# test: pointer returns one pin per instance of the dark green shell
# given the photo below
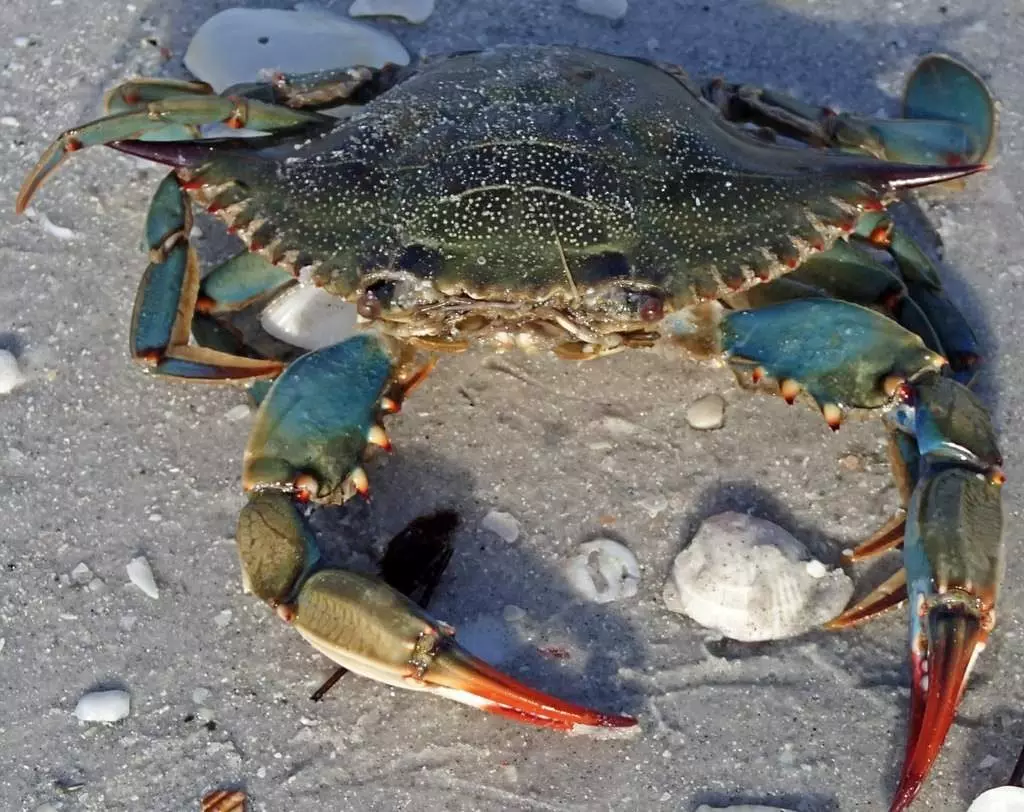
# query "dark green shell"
(547, 174)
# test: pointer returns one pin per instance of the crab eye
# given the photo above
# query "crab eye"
(375, 299)
(647, 305)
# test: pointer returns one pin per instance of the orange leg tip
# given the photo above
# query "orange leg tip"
(390, 406)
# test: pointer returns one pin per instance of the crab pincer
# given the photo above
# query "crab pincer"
(844, 355)
(311, 432)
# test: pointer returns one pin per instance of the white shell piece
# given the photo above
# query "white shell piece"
(612, 9)
(11, 376)
(751, 580)
(1000, 799)
(103, 706)
(309, 317)
(604, 571)
(140, 574)
(706, 413)
(415, 11)
(503, 525)
(243, 44)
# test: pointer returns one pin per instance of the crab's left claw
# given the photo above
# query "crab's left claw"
(953, 557)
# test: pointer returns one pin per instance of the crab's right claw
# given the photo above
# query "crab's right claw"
(953, 558)
(362, 623)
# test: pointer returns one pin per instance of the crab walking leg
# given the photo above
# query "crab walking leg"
(177, 118)
(950, 117)
(308, 442)
(162, 316)
(358, 84)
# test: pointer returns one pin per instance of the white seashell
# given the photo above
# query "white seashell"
(11, 376)
(751, 580)
(242, 44)
(415, 11)
(503, 525)
(141, 574)
(604, 571)
(611, 9)
(706, 413)
(309, 317)
(103, 706)
(1000, 799)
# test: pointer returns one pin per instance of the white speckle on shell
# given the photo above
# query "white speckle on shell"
(415, 11)
(309, 317)
(141, 574)
(11, 376)
(611, 9)
(243, 44)
(604, 571)
(503, 525)
(751, 580)
(1000, 799)
(103, 706)
(706, 413)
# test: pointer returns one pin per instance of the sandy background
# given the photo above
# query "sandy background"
(99, 463)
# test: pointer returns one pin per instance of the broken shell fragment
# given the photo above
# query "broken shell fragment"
(222, 800)
(604, 571)
(241, 44)
(103, 706)
(751, 580)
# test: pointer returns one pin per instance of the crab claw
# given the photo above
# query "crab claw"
(362, 623)
(953, 557)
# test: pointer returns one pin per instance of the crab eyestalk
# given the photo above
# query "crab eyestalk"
(307, 445)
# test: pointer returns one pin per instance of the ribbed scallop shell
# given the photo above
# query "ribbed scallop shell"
(751, 580)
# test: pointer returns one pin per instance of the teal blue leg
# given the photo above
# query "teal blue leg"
(165, 303)
(949, 117)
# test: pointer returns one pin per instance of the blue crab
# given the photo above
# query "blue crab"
(554, 198)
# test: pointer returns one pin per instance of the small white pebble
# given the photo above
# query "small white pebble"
(81, 574)
(503, 525)
(103, 706)
(654, 504)
(611, 9)
(127, 623)
(513, 613)
(816, 569)
(706, 413)
(414, 11)
(22, 42)
(155, 517)
(200, 695)
(239, 412)
(9, 121)
(97, 586)
(988, 762)
(1000, 799)
(46, 808)
(223, 618)
(141, 574)
(11, 376)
